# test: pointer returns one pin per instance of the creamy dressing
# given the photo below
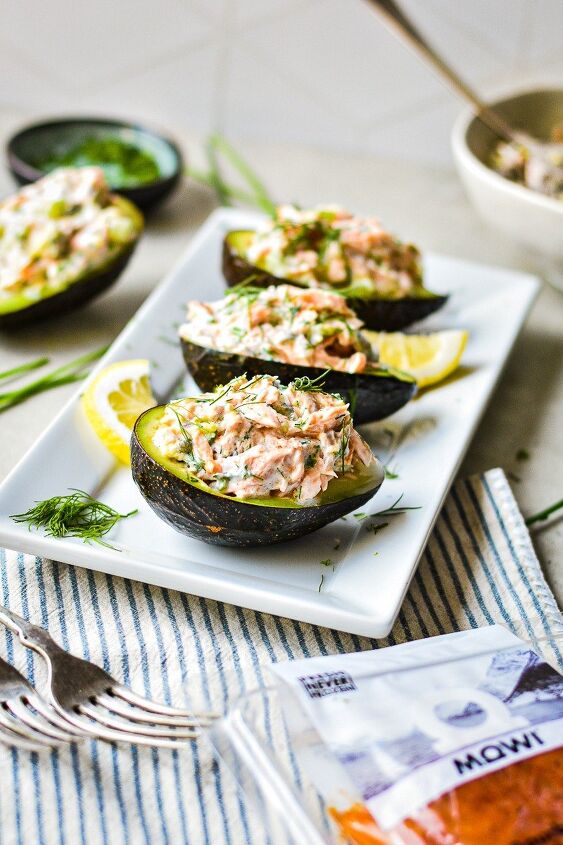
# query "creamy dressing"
(57, 230)
(330, 246)
(257, 438)
(310, 327)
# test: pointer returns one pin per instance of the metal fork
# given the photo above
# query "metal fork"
(94, 703)
(27, 721)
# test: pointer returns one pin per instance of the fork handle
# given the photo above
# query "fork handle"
(401, 25)
(31, 636)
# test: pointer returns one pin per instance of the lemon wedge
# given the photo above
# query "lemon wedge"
(429, 358)
(113, 401)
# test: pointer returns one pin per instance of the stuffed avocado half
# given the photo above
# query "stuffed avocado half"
(380, 276)
(296, 334)
(252, 463)
(63, 240)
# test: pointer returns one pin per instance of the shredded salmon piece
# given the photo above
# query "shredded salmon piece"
(307, 327)
(330, 246)
(255, 437)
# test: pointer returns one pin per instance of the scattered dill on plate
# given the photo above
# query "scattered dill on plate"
(76, 514)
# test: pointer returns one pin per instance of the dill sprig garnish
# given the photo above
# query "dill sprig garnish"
(183, 431)
(341, 454)
(76, 514)
(309, 385)
(245, 286)
(393, 510)
(221, 395)
(327, 562)
(66, 374)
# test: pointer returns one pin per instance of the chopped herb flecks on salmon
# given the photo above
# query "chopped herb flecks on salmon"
(304, 326)
(257, 438)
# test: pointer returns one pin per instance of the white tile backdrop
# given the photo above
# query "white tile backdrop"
(319, 72)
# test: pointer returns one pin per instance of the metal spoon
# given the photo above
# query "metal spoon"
(545, 152)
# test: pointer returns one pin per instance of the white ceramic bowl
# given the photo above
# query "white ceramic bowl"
(530, 218)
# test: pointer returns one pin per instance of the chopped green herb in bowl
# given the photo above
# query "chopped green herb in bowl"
(125, 165)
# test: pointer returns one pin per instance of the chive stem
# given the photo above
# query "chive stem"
(24, 368)
(539, 517)
(259, 192)
(207, 178)
(66, 374)
(216, 180)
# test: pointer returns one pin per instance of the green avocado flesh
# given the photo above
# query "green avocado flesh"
(191, 507)
(376, 311)
(90, 283)
(362, 481)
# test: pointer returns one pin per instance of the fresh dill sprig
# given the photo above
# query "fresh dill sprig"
(245, 286)
(393, 510)
(66, 374)
(224, 393)
(76, 514)
(375, 527)
(185, 435)
(327, 562)
(309, 385)
(389, 473)
(346, 432)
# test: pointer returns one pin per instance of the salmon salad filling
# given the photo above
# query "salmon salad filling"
(256, 438)
(58, 230)
(330, 246)
(545, 175)
(306, 326)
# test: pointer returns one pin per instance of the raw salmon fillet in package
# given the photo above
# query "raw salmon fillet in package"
(453, 740)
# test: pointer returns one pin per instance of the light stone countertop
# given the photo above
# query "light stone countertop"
(425, 205)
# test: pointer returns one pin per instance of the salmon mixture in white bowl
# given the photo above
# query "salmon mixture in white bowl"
(504, 199)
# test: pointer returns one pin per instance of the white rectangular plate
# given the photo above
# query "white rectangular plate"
(362, 594)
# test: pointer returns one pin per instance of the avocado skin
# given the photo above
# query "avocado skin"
(376, 397)
(77, 294)
(392, 315)
(379, 314)
(223, 522)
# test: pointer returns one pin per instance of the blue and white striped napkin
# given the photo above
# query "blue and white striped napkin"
(479, 568)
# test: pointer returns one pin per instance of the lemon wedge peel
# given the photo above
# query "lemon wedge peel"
(429, 358)
(113, 401)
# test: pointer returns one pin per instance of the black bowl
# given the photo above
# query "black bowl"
(55, 137)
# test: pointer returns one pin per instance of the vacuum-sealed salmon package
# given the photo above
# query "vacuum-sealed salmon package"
(453, 740)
